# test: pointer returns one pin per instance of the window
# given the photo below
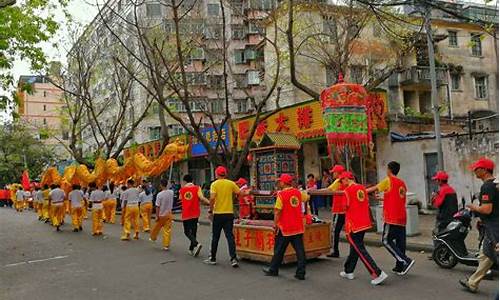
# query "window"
(254, 28)
(44, 94)
(475, 39)
(253, 77)
(44, 121)
(241, 106)
(217, 105)
(196, 78)
(250, 54)
(175, 129)
(239, 56)
(213, 9)
(356, 74)
(154, 132)
(197, 54)
(44, 107)
(65, 135)
(238, 32)
(215, 81)
(455, 81)
(261, 4)
(153, 9)
(481, 86)
(213, 32)
(240, 80)
(452, 38)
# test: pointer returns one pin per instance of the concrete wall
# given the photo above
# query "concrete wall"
(458, 153)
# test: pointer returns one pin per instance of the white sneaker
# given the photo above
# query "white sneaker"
(166, 248)
(345, 275)
(379, 279)
(190, 252)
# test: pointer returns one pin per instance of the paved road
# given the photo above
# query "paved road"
(69, 265)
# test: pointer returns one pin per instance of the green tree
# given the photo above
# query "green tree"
(23, 26)
(20, 149)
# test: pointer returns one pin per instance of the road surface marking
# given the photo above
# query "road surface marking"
(36, 261)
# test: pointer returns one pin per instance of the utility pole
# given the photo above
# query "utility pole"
(434, 96)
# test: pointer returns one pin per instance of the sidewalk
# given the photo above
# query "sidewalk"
(420, 242)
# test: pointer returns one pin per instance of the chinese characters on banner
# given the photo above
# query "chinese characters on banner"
(211, 136)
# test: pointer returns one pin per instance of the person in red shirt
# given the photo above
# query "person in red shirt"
(394, 235)
(445, 201)
(338, 209)
(289, 227)
(358, 221)
(190, 196)
(245, 199)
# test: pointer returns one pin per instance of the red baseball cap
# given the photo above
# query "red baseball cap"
(286, 179)
(241, 181)
(337, 169)
(483, 163)
(220, 171)
(440, 175)
(346, 174)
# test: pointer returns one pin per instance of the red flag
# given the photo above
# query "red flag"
(25, 180)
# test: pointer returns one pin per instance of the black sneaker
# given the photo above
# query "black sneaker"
(397, 269)
(334, 255)
(300, 277)
(80, 228)
(75, 230)
(268, 272)
(407, 268)
(57, 228)
(234, 263)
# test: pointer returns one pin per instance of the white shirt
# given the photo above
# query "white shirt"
(96, 197)
(76, 197)
(38, 197)
(164, 201)
(143, 198)
(131, 195)
(19, 195)
(57, 196)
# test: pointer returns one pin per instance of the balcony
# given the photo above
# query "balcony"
(420, 75)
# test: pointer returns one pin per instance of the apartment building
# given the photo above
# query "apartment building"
(40, 109)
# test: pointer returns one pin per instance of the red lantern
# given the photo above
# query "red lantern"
(250, 157)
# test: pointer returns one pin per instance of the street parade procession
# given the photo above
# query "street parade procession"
(249, 149)
(269, 217)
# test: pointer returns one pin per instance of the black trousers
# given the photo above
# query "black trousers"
(358, 250)
(280, 244)
(223, 222)
(339, 221)
(394, 240)
(190, 229)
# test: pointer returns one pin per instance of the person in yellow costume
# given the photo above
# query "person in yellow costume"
(96, 197)
(110, 206)
(146, 207)
(106, 209)
(130, 198)
(164, 202)
(57, 206)
(46, 204)
(19, 204)
(76, 198)
(38, 202)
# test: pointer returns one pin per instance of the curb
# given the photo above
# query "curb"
(370, 241)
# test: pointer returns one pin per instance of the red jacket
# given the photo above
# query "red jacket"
(291, 219)
(357, 216)
(395, 202)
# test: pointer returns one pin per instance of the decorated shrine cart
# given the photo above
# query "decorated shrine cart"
(276, 154)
